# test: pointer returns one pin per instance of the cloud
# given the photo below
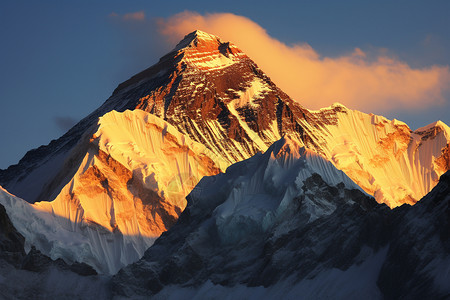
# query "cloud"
(65, 123)
(133, 16)
(370, 82)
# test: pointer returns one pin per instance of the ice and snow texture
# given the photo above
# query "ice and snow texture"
(129, 188)
(263, 187)
(384, 157)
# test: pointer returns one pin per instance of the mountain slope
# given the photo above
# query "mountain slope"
(385, 158)
(123, 184)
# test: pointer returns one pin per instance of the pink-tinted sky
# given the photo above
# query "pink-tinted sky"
(61, 60)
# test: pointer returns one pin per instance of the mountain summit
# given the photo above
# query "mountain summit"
(207, 52)
(198, 39)
(119, 178)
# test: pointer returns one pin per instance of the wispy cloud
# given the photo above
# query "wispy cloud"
(379, 82)
(65, 123)
(133, 16)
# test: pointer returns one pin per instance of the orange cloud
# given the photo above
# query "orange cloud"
(380, 83)
(134, 16)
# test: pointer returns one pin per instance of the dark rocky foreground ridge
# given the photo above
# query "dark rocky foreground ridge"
(417, 264)
(369, 250)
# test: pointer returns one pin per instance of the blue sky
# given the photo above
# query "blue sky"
(62, 59)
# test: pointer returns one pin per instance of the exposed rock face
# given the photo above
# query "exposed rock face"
(35, 261)
(220, 98)
(11, 241)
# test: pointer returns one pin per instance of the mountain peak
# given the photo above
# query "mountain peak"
(206, 51)
(197, 38)
(438, 123)
(198, 49)
(204, 35)
(435, 127)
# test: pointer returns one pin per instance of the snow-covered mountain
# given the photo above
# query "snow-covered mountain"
(220, 98)
(121, 186)
(212, 92)
(287, 224)
(119, 177)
